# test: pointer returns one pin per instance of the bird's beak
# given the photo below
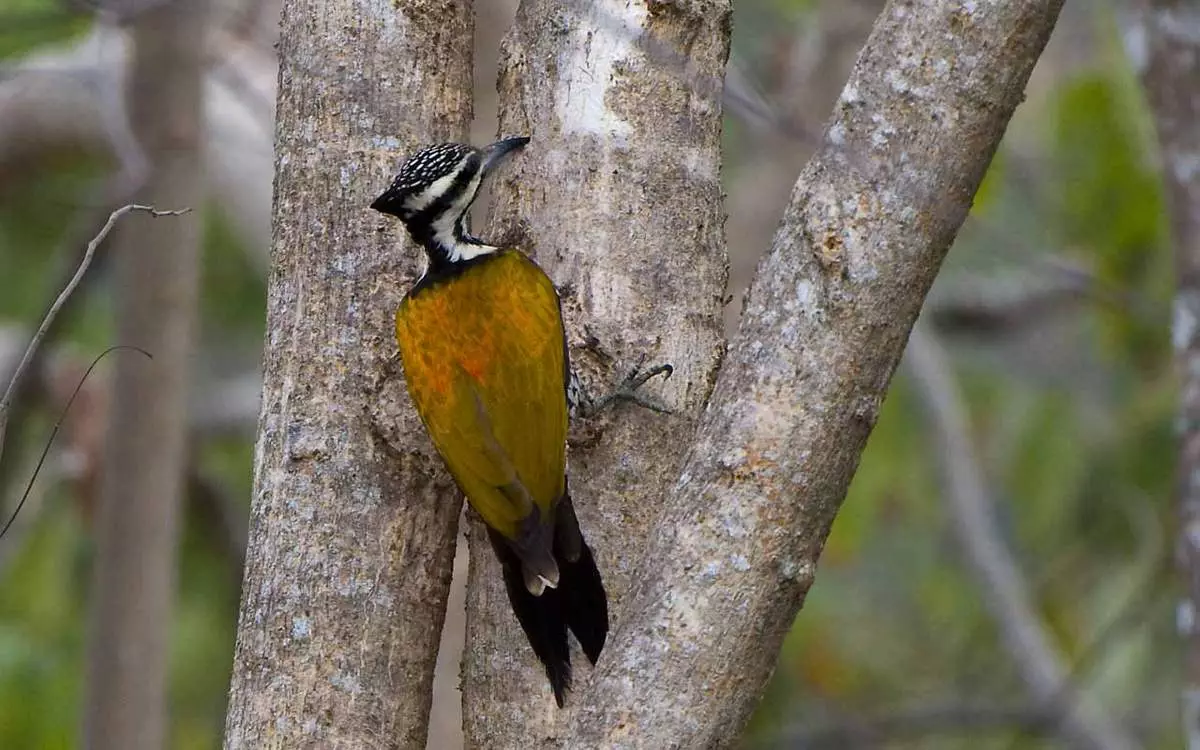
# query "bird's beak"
(495, 153)
(387, 204)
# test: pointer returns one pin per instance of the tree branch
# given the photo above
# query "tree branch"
(1001, 584)
(22, 367)
(826, 320)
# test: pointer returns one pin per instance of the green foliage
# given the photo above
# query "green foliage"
(43, 585)
(203, 638)
(234, 291)
(41, 635)
(26, 25)
(33, 230)
(1109, 206)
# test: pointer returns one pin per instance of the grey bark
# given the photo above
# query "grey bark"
(156, 283)
(619, 198)
(729, 562)
(353, 518)
(826, 42)
(706, 564)
(1172, 82)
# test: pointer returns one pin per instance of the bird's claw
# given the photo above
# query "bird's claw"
(627, 390)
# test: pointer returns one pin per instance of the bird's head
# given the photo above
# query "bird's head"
(434, 190)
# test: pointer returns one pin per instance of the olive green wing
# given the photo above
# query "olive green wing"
(484, 360)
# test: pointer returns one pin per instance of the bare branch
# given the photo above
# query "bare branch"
(56, 306)
(1000, 581)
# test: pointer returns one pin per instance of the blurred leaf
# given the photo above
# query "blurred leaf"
(234, 297)
(28, 24)
(1109, 203)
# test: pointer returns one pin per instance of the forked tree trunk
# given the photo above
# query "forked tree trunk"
(353, 521)
(709, 522)
(719, 561)
(826, 320)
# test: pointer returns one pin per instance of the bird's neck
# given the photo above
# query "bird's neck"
(447, 241)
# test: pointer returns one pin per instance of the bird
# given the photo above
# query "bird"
(484, 352)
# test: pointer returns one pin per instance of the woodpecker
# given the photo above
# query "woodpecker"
(484, 352)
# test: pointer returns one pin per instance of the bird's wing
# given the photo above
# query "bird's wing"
(484, 358)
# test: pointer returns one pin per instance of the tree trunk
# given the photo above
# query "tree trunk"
(157, 281)
(621, 205)
(1172, 81)
(826, 320)
(353, 520)
(707, 545)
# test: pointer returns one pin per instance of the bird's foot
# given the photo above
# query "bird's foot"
(627, 390)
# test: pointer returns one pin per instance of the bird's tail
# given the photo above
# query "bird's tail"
(578, 603)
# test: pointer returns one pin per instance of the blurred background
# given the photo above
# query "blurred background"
(1026, 445)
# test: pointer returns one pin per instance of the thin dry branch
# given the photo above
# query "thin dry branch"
(57, 305)
(1001, 583)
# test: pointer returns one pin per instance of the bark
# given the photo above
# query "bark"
(825, 322)
(1172, 82)
(353, 517)
(619, 198)
(493, 18)
(157, 281)
(819, 54)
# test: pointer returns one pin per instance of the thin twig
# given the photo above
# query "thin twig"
(68, 290)
(37, 468)
(1006, 594)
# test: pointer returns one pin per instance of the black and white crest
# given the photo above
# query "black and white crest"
(428, 165)
(426, 176)
(434, 190)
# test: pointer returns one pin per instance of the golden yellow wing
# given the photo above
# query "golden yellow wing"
(484, 359)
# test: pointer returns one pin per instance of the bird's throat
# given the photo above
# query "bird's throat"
(447, 243)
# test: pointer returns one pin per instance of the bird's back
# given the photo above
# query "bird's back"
(483, 354)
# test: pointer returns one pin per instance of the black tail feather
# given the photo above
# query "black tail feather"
(541, 618)
(579, 602)
(584, 603)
